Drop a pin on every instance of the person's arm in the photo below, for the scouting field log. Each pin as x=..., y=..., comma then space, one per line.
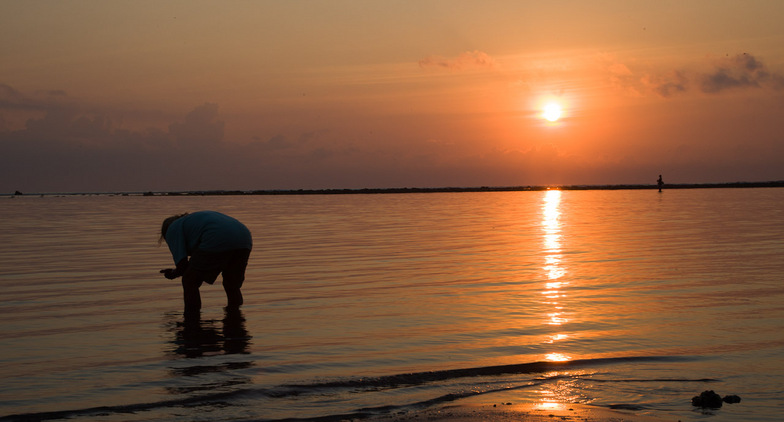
x=175, y=240
x=172, y=273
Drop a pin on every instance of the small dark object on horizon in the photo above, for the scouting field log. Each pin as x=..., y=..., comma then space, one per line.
x=732, y=398
x=707, y=399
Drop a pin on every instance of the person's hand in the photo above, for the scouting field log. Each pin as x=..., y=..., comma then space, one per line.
x=170, y=273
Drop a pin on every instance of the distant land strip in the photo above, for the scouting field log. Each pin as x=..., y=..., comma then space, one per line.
x=771, y=184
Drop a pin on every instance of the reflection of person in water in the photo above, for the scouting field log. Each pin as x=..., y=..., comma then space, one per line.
x=216, y=244
x=660, y=183
x=195, y=337
x=204, y=341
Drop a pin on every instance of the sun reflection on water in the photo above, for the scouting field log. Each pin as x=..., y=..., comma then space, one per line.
x=557, y=357
x=555, y=337
x=551, y=226
x=553, y=291
x=550, y=405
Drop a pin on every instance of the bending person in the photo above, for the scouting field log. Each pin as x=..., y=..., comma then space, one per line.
x=216, y=244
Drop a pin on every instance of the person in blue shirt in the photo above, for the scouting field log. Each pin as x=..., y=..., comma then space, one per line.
x=216, y=244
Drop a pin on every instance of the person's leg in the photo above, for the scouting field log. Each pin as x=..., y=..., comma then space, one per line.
x=233, y=277
x=191, y=281
x=203, y=266
x=233, y=297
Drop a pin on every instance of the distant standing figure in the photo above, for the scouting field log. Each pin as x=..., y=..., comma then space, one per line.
x=216, y=244
x=660, y=182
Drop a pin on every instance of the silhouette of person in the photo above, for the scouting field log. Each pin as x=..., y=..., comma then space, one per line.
x=660, y=183
x=216, y=244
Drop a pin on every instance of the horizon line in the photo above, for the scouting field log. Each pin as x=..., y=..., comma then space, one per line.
x=334, y=191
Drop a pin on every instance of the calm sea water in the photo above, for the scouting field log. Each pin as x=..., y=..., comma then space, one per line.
x=374, y=304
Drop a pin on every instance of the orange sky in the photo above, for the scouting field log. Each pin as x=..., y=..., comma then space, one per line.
x=187, y=95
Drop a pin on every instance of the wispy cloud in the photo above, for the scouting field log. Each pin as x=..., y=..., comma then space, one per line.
x=13, y=100
x=742, y=71
x=469, y=60
x=667, y=85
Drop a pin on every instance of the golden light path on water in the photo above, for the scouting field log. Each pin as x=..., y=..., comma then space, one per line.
x=553, y=288
x=554, y=398
x=553, y=293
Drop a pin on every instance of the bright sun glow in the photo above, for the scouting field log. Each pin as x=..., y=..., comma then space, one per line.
x=552, y=112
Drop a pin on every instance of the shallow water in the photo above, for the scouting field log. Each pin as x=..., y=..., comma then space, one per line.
x=373, y=304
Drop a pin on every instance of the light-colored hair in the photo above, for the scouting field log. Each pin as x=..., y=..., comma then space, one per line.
x=165, y=226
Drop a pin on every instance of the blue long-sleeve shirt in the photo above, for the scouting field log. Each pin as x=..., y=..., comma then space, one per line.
x=207, y=231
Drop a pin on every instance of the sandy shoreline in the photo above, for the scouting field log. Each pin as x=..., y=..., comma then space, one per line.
x=520, y=413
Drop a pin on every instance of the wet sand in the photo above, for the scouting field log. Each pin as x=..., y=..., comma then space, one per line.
x=521, y=413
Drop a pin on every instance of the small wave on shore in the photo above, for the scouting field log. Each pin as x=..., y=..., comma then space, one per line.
x=433, y=388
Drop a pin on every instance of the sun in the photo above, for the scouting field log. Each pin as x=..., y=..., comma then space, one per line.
x=552, y=112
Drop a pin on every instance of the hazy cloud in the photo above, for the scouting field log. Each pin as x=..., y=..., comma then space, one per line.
x=622, y=77
x=741, y=71
x=278, y=142
x=201, y=127
x=667, y=85
x=9, y=94
x=65, y=149
x=467, y=60
x=281, y=142
x=13, y=100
